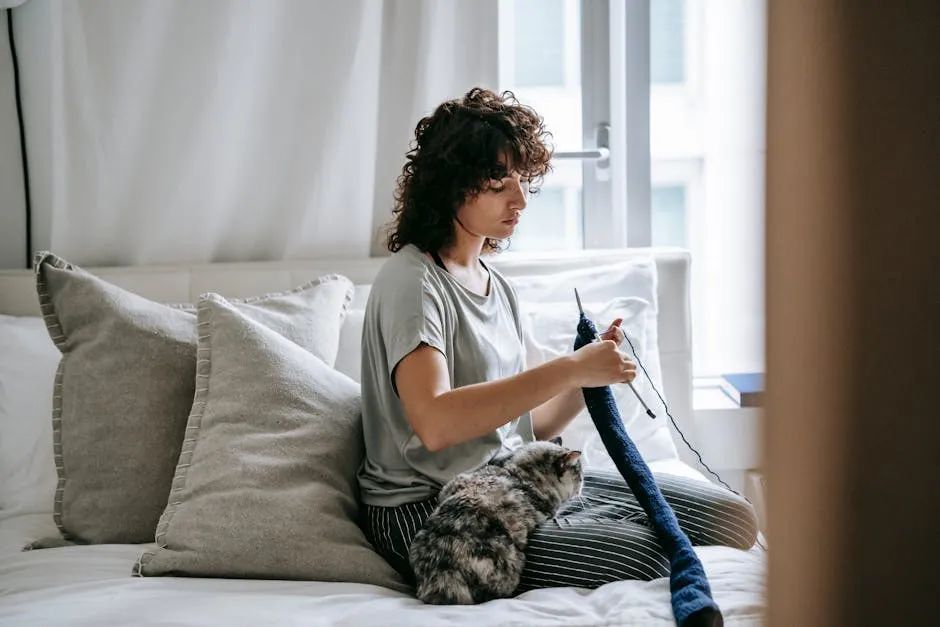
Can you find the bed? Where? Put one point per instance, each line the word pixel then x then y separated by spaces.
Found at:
pixel 93 584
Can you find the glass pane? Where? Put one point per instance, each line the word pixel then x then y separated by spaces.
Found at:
pixel 667 41
pixel 707 149
pixel 540 62
pixel 668 215
pixel 540 43
pixel 551 221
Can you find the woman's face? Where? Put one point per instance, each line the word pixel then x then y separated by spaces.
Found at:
pixel 495 212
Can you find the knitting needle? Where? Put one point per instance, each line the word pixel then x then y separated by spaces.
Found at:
pixel 597 338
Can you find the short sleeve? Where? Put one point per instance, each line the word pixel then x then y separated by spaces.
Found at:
pixel 414 316
pixel 522 318
pixel 534 355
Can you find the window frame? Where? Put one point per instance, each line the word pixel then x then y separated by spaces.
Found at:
pixel 625 221
pixel 659 135
pixel 614 77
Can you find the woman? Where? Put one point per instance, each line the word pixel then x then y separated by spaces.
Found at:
pixel 444 381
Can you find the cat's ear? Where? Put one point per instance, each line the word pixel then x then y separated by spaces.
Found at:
pixel 571 457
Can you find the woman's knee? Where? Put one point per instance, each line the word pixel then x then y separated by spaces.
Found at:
pixel 740 525
pixel 710 514
pixel 741 510
pixel 591 554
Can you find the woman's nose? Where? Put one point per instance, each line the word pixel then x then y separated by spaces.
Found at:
pixel 521 197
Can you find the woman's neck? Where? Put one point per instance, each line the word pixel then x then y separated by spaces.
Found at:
pixel 461 259
pixel 465 250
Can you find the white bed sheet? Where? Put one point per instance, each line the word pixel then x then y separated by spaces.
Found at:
pixel 92 586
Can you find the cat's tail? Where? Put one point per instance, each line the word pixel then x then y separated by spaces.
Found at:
pixel 447 587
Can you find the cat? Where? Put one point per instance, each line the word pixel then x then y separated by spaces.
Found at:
pixel 472 547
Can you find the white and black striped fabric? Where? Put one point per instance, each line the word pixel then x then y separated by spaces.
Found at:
pixel 598 537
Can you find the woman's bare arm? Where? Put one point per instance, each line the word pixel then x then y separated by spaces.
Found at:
pixel 442 417
pixel 550 418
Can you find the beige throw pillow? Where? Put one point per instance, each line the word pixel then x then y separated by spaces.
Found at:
pixel 125 384
pixel 266 483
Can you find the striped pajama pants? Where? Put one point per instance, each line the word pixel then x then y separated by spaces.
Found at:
pixel 600 536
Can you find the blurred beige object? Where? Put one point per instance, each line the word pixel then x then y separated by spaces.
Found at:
pixel 853 154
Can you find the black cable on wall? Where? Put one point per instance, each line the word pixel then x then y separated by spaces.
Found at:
pixel 19 116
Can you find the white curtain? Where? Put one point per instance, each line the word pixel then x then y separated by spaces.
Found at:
pixel 226 130
pixel 12 198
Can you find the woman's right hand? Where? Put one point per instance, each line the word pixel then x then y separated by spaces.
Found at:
pixel 600 363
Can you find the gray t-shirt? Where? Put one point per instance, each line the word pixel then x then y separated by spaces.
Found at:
pixel 414 301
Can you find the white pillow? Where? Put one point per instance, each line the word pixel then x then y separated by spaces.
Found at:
pixel 28 361
pixel 349 356
pixel 550 329
pixel 599 288
pixel 636 277
pixel 626 290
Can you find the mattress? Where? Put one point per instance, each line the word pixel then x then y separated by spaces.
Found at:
pixel 93 586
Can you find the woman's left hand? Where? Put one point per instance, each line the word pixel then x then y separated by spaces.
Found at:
pixel 614 333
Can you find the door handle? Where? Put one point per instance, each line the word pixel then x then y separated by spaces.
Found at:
pixel 600 155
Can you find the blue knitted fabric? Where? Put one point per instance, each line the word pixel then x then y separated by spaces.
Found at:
pixel 692 602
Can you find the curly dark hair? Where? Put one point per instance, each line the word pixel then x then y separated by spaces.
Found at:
pixel 456 151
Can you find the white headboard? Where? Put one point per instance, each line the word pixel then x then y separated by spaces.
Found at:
pixel 184 283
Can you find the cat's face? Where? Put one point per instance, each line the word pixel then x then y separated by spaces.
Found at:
pixel 553 463
pixel 569 472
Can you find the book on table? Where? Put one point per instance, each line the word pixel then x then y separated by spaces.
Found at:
pixel 744 388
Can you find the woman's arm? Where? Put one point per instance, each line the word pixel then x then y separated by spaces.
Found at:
pixel 442 417
pixel 551 418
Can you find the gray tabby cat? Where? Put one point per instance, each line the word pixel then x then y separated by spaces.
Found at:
pixel 472 547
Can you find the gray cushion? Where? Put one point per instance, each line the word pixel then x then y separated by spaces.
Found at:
pixel 125 386
pixel 266 483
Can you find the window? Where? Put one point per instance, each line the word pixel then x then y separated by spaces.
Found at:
pixel 540 43
pixel 706 168
pixel 667 41
pixel 540 61
pixel 667 210
pixel 553 223
pixel 683 82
